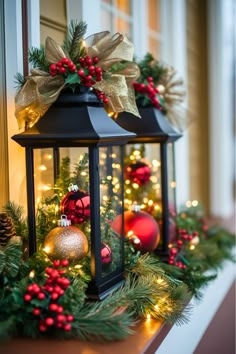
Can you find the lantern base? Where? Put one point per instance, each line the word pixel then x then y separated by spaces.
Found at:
pixel 101 292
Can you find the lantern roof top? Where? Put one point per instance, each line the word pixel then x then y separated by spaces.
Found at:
pixel 74 120
pixel 153 127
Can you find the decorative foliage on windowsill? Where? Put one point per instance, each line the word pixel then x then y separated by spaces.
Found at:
pixel 49 297
pixel 159 86
pixel 102 63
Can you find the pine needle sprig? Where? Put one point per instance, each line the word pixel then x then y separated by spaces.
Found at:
pixel 116 323
pixel 81 173
pixel 37 58
pixel 147 264
pixel 63 180
pixel 150 67
pixel 20 80
pixel 73 40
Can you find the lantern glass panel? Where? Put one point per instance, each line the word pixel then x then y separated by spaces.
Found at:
pixel 171 180
pixel 140 186
pixel 43 173
pixel 111 196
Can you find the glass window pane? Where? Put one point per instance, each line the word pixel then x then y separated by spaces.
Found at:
pixel 154 15
pixel 123 26
pixel 106 21
pixel 124 5
pixel 154 47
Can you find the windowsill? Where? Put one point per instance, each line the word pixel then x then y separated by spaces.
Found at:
pixel 149 335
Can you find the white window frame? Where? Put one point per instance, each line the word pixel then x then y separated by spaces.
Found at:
pixel 221 28
pixel 14 64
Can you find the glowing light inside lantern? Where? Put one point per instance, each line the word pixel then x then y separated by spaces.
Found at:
pixel 188 203
pixel 47 249
pixel 32 274
pixel 42 168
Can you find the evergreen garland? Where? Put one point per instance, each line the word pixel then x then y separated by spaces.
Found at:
pixel 151 287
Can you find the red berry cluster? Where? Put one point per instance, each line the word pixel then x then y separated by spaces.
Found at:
pixel 88 73
pixel 62 67
pixel 53 315
pixel 86 69
pixel 173 255
pixel 150 90
pixel 183 237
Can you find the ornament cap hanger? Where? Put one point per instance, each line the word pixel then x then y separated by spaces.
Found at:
pixel 135 207
pixel 63 221
pixel 73 187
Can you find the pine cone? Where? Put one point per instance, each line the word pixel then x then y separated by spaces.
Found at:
pixel 7 229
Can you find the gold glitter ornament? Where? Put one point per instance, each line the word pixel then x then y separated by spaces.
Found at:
pixel 66 241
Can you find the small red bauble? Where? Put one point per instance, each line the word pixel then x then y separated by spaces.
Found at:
pixel 106 256
pixel 76 206
pixel 138 172
pixel 142 225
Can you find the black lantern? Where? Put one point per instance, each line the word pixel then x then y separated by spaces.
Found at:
pixel 76 125
pixel 153 128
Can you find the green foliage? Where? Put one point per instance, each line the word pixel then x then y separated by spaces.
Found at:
pixel 73 40
pixel 37 58
pixel 119 66
pixel 150 67
pixel 20 80
pixel 80 174
pixel 10 263
pixel 63 179
pixel 16 212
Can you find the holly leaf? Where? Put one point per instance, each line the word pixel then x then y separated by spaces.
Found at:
pixel 120 66
pixel 72 78
pixel 39 303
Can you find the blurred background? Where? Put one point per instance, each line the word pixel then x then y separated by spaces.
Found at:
pixel 196 37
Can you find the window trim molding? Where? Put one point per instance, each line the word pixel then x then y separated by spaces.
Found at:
pixel 220 18
pixel 4 178
pixel 174 53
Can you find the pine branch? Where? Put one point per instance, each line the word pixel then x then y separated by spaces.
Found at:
pixel 38 59
pixel 20 80
pixel 73 39
pixel 63 180
pixel 81 173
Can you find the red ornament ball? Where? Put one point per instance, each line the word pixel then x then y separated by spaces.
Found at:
pixel 106 256
pixel 138 172
pixel 76 206
pixel 139 224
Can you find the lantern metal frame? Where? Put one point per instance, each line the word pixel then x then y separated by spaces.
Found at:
pixel 77 120
pixel 153 127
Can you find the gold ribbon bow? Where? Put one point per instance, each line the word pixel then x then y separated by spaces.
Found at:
pixel 41 89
